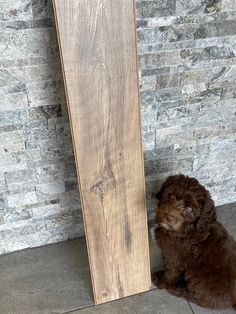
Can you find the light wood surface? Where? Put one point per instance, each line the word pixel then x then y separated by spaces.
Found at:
pixel 97 40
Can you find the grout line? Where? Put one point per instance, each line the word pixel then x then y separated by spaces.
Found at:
pixel 78 309
pixel 191 308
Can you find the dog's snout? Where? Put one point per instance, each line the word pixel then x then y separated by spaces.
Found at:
pixel 170 219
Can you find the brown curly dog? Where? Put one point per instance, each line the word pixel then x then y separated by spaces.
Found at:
pixel 199 255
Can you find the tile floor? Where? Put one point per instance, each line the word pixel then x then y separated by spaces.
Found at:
pixel 55 279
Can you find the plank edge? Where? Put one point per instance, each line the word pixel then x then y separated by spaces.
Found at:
pixel 140 135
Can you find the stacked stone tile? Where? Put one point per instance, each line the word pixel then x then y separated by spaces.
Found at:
pixel 187 57
pixel 188 73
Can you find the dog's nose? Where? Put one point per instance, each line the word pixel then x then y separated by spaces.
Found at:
pixel 170 219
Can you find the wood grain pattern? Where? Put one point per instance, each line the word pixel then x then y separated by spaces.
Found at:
pixel 99 57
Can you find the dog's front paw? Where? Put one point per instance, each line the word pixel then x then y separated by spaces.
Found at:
pixel 158 279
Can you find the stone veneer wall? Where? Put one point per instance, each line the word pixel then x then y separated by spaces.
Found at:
pixel 187 56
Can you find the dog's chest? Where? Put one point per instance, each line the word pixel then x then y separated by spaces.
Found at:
pixel 176 249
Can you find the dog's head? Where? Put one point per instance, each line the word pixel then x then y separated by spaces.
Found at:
pixel 185 215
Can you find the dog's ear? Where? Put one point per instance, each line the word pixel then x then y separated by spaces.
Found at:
pixel 207 215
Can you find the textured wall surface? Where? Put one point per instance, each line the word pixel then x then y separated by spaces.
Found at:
pixel 187 55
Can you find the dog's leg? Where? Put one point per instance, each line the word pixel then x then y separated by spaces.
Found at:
pixel 167 278
pixel 182 292
pixel 158 279
pixel 176 288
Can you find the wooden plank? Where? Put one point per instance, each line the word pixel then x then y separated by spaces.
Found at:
pixel 97 40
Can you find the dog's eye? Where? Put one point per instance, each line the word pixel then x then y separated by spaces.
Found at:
pixel 189 212
pixel 188 209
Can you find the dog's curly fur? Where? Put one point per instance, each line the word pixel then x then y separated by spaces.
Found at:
pixel 199 255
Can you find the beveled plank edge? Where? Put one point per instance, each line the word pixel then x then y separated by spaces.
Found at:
pixel 140 135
